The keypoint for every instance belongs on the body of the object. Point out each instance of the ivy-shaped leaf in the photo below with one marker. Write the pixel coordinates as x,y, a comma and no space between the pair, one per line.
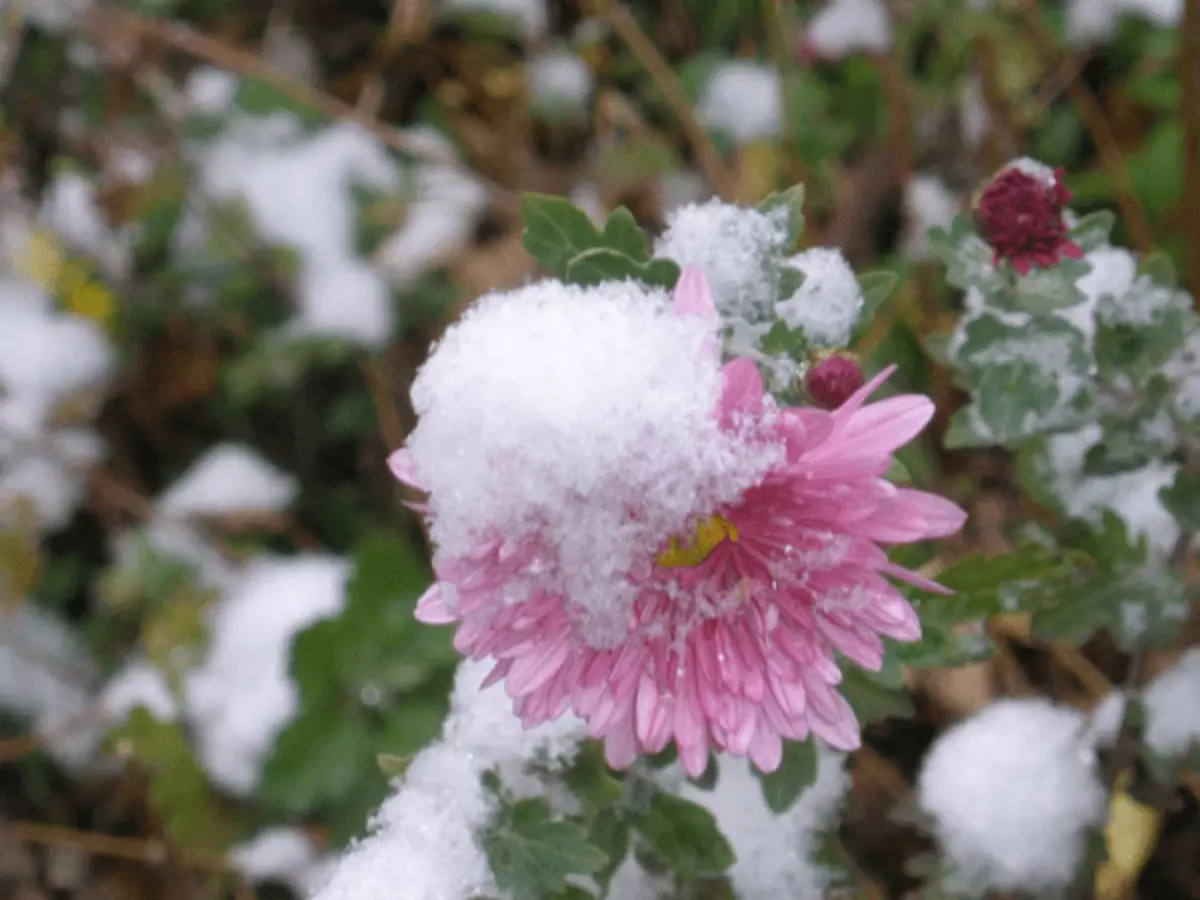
531,853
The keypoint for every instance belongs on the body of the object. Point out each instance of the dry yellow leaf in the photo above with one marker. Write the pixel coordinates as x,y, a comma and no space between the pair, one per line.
41,260
1130,837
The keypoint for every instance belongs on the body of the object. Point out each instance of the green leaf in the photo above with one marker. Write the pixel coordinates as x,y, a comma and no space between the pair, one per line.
532,854
319,759
783,341
1008,582
1139,331
610,833
178,787
261,98
590,779
1182,500
968,260
1094,230
1043,291
623,234
791,200
1010,397
796,772
1159,268
684,837
600,264
556,231
877,288
871,700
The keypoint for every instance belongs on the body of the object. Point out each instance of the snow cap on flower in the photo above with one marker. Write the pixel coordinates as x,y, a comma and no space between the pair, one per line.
640,535
1021,216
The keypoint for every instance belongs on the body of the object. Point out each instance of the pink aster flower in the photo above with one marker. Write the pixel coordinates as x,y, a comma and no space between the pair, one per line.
731,639
1021,216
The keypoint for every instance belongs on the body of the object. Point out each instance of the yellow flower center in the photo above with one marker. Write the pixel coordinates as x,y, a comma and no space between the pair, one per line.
709,533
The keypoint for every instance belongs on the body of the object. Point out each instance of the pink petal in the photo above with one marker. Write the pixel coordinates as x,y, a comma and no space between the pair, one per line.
890,423
693,296
940,516
908,577
401,464
839,727
694,755
741,389
855,401
433,608
766,750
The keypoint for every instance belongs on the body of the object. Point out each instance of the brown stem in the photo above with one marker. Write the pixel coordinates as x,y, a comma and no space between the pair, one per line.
1189,75
672,90
1094,119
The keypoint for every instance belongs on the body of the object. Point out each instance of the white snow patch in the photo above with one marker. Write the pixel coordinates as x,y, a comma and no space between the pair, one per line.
138,684
744,100
228,479
283,855
439,223
774,852
740,250
241,696
1172,704
69,209
1132,495
46,674
842,27
424,836
297,188
1012,791
828,302
559,82
1094,21
928,203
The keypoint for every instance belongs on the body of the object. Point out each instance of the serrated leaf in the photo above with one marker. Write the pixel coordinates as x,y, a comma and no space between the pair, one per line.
796,772
684,836
610,834
590,779
965,430
531,853
792,200
600,264
877,288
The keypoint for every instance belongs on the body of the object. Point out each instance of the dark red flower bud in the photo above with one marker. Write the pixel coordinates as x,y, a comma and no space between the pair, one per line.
1020,215
831,381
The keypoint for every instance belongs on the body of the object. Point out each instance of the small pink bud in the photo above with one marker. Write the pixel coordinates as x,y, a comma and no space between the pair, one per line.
1020,215
831,381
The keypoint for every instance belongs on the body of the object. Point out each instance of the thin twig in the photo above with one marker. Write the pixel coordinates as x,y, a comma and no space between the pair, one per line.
672,90
143,850
107,20
1094,119
1189,76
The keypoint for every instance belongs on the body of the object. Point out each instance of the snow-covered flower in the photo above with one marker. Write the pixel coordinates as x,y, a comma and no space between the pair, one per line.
1021,216
640,535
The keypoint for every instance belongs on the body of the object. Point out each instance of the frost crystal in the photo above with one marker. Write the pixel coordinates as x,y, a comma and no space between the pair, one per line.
828,302
1012,791
558,411
425,835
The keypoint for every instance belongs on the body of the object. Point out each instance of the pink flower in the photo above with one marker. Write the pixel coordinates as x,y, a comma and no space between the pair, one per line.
731,639
1021,217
